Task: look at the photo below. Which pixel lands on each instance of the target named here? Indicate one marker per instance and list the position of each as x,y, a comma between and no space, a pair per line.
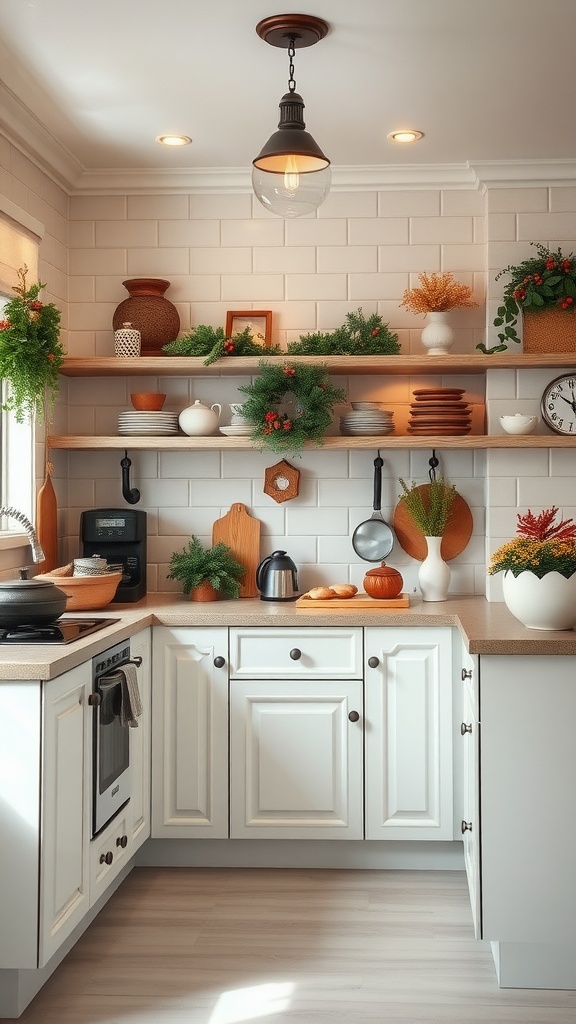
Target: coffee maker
119,536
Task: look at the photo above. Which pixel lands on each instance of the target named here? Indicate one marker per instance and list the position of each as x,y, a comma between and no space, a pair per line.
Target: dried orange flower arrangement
437,293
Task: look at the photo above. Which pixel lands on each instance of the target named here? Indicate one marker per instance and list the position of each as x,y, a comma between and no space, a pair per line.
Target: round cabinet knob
373,662
466,674
95,699
465,728
122,841
219,662
295,654
353,716
106,858
465,826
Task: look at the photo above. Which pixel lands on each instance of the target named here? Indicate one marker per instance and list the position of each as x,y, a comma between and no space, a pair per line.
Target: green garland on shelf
314,398
359,336
213,343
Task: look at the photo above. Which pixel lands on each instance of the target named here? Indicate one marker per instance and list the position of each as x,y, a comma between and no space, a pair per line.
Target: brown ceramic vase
150,312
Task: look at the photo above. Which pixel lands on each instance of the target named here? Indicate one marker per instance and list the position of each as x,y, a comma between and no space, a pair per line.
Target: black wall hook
130,494
433,463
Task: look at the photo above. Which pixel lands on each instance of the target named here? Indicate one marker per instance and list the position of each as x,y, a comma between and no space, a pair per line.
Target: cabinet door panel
470,738
296,760
65,808
139,806
409,734
190,734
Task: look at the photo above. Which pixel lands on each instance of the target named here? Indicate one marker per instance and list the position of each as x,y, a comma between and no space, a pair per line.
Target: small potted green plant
206,573
543,284
429,506
31,354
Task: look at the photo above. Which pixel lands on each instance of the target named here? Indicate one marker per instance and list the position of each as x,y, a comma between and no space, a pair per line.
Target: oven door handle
134,661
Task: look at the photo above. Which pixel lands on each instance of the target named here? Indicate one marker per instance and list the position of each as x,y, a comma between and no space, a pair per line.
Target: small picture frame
258,320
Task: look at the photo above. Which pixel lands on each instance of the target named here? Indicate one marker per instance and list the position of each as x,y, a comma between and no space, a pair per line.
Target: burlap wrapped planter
549,330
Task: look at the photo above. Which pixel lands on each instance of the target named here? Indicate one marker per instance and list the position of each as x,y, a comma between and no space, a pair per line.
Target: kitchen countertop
487,628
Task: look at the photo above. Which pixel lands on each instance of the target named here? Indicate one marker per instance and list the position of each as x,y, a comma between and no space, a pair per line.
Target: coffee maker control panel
119,536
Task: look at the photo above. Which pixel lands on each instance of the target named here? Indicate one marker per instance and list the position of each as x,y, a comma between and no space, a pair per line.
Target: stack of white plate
147,424
369,421
238,430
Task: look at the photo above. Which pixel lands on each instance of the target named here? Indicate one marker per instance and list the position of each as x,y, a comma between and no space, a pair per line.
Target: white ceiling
93,83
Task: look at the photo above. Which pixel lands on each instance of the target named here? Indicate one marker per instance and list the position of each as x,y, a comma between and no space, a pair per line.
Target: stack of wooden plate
439,411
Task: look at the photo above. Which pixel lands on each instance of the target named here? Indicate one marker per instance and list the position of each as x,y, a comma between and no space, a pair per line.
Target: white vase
547,603
437,336
434,573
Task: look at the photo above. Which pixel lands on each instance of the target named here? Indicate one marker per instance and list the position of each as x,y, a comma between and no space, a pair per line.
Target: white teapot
199,420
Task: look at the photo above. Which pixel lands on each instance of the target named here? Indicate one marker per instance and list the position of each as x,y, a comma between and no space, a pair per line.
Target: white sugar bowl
519,423
200,420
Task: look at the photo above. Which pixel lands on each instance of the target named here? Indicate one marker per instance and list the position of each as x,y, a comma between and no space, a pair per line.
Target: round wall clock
558,404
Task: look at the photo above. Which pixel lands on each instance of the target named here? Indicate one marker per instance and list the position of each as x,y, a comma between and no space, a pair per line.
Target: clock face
558,405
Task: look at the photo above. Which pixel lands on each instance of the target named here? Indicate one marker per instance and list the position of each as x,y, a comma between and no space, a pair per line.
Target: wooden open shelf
192,366
179,443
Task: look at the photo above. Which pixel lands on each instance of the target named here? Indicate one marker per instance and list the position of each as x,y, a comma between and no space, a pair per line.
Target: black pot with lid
30,602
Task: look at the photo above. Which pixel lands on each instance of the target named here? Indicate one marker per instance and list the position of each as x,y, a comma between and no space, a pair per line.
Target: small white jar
127,340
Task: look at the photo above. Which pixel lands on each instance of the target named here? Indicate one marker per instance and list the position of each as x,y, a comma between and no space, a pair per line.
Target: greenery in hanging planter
31,354
313,397
545,280
359,336
429,509
195,564
213,343
541,546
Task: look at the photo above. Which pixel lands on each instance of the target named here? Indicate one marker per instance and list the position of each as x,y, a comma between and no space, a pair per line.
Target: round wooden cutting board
456,536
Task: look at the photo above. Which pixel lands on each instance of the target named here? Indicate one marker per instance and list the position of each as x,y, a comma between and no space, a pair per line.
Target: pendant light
291,175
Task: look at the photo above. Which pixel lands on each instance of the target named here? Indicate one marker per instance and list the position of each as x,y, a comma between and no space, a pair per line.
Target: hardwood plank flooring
275,946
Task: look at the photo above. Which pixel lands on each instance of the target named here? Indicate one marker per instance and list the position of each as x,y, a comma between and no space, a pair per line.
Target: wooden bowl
85,593
150,401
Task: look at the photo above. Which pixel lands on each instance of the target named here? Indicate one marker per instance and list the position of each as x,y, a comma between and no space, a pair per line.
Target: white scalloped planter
547,603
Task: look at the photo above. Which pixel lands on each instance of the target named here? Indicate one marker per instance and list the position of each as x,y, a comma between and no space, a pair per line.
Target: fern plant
359,336
195,564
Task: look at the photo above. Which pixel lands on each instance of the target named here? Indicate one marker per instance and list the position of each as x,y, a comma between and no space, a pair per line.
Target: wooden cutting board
241,532
47,523
456,536
354,603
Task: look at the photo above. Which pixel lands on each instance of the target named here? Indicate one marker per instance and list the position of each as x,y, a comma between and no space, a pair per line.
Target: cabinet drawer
108,853
296,653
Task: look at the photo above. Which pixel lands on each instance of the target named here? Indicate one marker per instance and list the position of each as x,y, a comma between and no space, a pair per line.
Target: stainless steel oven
111,736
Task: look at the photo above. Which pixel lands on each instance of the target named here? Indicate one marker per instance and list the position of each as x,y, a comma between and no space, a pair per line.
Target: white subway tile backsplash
98,262
316,286
463,203
156,262
517,200
544,226
408,204
220,207
349,204
126,234
316,232
381,231
247,288
417,258
193,233
157,207
97,208
349,259
282,260
316,522
252,232
542,492
453,230
563,199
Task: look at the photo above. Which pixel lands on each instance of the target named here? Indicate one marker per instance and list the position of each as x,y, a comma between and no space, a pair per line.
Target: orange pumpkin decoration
383,582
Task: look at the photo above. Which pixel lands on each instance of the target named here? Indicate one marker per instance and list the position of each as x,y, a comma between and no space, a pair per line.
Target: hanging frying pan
373,539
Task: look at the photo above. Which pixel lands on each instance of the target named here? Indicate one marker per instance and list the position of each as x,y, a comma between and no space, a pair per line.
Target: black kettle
277,578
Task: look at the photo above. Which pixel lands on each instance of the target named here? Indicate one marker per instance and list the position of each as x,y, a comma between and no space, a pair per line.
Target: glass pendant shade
291,176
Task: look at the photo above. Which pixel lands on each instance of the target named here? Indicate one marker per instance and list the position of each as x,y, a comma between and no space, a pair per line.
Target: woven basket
549,330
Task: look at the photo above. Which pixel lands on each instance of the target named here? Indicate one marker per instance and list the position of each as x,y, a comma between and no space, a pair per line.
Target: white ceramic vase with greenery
430,514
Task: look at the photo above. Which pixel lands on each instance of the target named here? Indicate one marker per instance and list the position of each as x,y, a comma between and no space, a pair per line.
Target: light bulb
291,176
291,194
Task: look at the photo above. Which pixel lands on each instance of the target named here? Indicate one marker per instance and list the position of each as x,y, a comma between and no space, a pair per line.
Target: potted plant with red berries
31,354
542,290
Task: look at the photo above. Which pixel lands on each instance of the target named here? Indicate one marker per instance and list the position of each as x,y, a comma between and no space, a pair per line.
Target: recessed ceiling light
405,135
174,140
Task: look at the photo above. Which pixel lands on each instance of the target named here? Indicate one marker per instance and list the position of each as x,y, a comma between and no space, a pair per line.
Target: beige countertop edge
486,627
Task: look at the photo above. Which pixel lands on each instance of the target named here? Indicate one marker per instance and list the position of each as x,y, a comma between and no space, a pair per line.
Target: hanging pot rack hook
433,463
130,494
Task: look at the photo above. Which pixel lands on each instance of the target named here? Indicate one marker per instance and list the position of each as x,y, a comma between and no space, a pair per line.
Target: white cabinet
296,759
140,745
408,693
470,820
65,814
190,733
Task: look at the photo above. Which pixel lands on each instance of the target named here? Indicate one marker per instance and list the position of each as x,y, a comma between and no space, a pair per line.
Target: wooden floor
221,946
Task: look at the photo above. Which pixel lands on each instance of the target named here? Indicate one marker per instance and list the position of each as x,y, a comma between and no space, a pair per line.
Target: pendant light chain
291,55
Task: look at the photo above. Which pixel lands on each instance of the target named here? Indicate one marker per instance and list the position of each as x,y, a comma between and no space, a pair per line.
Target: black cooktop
62,631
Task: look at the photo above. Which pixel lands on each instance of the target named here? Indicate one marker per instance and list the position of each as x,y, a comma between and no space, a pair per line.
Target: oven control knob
122,841
106,858
95,699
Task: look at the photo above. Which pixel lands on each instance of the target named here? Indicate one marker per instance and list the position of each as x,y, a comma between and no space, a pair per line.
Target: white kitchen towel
130,701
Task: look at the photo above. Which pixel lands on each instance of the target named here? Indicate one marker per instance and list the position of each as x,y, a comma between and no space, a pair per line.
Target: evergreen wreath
314,396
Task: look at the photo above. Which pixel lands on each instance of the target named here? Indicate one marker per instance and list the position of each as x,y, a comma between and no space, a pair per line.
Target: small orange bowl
148,400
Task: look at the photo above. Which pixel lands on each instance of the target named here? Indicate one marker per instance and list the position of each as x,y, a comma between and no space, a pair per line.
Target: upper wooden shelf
192,366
